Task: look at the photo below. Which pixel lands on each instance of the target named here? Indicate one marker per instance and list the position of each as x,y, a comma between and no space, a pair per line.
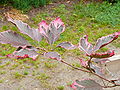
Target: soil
59,75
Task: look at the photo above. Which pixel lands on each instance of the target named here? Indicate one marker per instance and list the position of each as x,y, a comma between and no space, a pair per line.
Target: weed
42,76
50,64
17,75
1,81
25,72
60,87
14,66
5,28
2,72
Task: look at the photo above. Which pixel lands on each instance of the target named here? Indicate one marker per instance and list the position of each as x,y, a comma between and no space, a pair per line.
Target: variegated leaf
103,41
67,45
86,84
10,37
102,55
53,55
24,52
52,31
85,45
26,29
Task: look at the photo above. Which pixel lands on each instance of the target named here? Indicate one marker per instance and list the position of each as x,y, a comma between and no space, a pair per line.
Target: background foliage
24,5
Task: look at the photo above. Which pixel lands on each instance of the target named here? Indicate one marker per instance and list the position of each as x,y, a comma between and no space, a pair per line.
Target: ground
48,74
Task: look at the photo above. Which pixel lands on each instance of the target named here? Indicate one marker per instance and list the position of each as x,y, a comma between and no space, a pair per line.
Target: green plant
42,76
25,72
103,13
18,75
51,33
60,87
25,5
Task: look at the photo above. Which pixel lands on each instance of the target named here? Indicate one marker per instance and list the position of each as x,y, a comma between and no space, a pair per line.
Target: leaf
67,45
53,55
85,45
57,26
24,52
103,41
86,84
102,55
98,70
10,37
52,31
101,61
114,58
43,28
26,29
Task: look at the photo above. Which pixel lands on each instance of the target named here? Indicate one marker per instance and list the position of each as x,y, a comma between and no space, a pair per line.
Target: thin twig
110,81
74,67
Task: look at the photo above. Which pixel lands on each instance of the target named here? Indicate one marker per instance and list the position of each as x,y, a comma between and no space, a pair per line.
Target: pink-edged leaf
52,31
26,29
103,41
85,45
57,26
76,86
53,55
24,52
67,45
86,84
43,28
98,70
50,38
10,37
102,55
101,61
83,63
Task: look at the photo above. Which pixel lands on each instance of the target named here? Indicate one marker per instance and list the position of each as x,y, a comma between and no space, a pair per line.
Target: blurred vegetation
25,5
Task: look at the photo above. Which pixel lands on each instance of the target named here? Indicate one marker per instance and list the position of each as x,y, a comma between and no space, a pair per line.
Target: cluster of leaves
51,33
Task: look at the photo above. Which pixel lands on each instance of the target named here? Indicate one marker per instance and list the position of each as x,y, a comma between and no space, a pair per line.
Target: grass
60,87
18,75
42,76
91,19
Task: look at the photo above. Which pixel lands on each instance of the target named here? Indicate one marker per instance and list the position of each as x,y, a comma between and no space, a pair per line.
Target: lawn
92,19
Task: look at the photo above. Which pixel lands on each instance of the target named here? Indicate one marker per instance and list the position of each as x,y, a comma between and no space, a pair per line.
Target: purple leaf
102,55
86,84
98,70
26,29
85,45
103,41
43,28
67,45
101,61
24,52
53,55
57,26
52,31
10,37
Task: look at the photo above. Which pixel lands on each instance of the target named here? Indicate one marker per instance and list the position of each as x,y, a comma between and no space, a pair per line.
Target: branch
74,67
110,81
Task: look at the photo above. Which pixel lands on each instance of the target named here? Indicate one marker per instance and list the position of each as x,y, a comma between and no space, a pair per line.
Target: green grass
18,75
60,87
79,19
103,13
42,76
